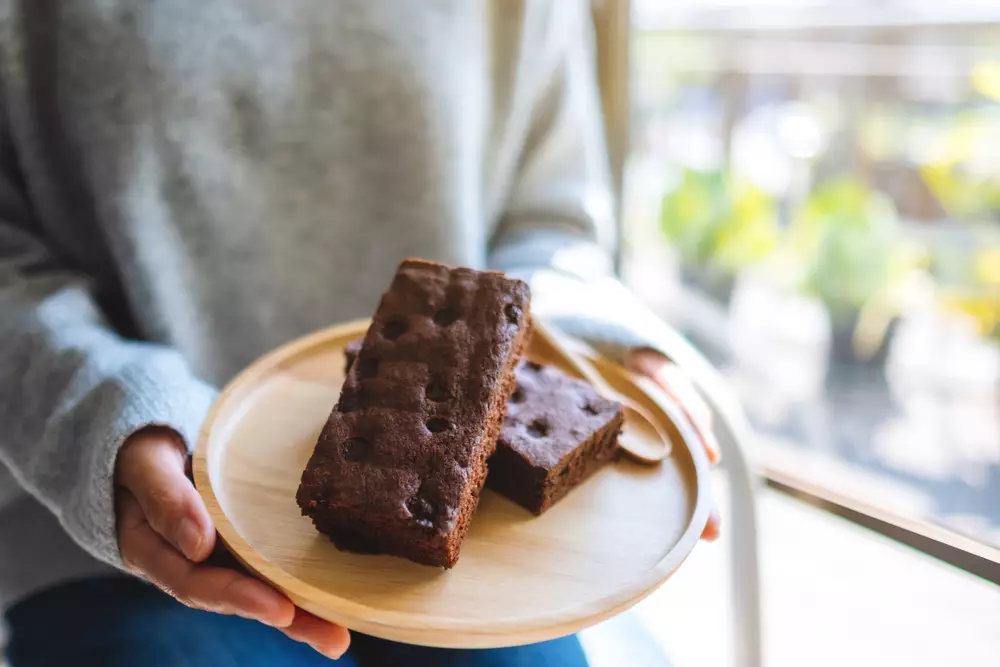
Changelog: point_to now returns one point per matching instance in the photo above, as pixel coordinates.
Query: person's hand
(166, 535)
(676, 383)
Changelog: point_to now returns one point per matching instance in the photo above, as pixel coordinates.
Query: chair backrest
(611, 33)
(611, 30)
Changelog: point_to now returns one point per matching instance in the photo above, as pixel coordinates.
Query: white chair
(734, 435)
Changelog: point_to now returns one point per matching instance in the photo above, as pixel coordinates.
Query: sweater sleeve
(71, 389)
(557, 230)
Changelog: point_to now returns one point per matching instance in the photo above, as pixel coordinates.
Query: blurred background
(811, 194)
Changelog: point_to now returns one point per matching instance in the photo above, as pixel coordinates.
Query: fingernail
(262, 618)
(254, 602)
(713, 528)
(189, 538)
(332, 653)
(712, 446)
(252, 616)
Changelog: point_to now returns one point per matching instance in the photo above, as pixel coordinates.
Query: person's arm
(96, 427)
(557, 229)
(558, 213)
(71, 390)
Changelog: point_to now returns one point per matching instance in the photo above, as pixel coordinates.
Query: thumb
(151, 466)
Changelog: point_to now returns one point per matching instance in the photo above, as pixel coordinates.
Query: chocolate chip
(539, 428)
(355, 449)
(533, 366)
(319, 499)
(513, 313)
(421, 510)
(395, 328)
(445, 316)
(590, 409)
(518, 395)
(349, 401)
(436, 391)
(437, 424)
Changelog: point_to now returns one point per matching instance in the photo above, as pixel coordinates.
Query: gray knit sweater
(185, 184)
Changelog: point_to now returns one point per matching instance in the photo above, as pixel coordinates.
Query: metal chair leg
(743, 556)
(734, 435)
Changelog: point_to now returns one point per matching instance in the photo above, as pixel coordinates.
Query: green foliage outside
(849, 241)
(843, 245)
(718, 223)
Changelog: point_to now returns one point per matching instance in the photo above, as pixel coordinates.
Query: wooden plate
(520, 578)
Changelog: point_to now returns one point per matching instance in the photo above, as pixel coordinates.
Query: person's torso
(231, 174)
(235, 173)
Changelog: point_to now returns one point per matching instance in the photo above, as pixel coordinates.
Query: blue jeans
(122, 622)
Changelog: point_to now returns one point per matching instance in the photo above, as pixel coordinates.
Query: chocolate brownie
(400, 463)
(557, 433)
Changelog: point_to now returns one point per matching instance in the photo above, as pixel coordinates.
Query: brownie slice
(400, 462)
(558, 432)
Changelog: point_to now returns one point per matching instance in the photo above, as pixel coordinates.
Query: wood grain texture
(520, 578)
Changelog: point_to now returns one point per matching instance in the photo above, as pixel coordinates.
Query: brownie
(558, 432)
(400, 463)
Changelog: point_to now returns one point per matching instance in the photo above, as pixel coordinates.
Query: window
(813, 196)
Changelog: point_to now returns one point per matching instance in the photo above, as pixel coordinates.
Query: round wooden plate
(520, 578)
